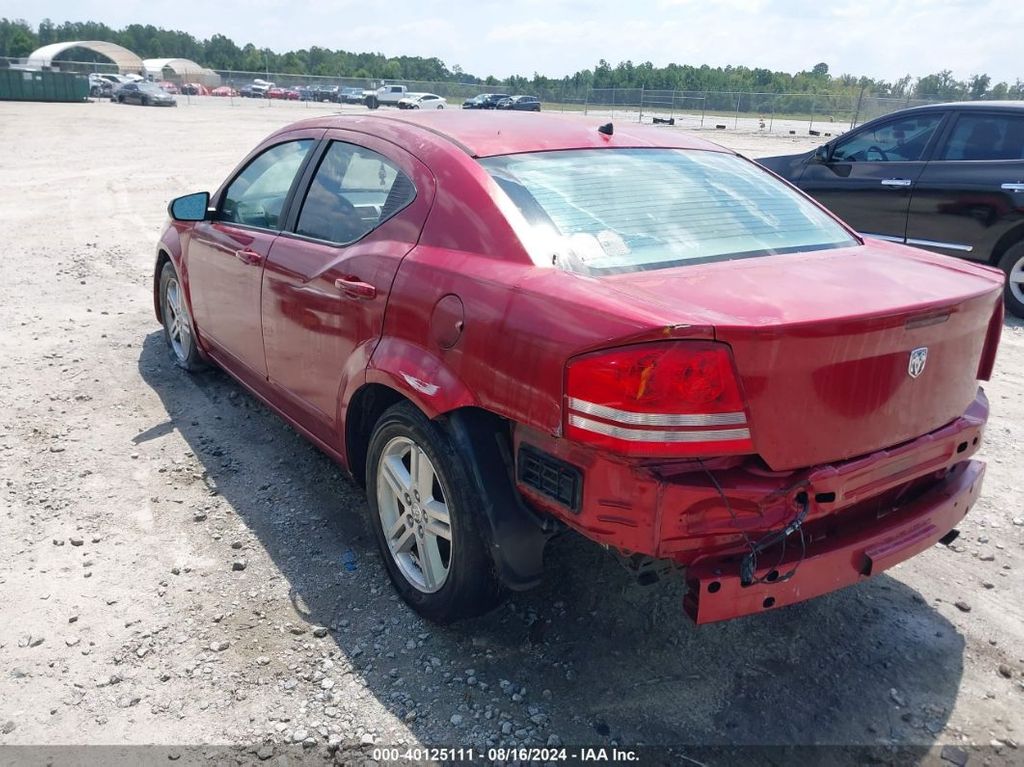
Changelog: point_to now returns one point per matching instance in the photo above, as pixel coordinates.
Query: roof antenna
(607, 129)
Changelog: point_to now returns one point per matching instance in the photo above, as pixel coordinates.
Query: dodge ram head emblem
(918, 358)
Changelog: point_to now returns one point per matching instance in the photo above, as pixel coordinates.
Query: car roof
(970, 105)
(487, 134)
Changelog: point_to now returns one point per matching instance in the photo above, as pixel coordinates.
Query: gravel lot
(172, 558)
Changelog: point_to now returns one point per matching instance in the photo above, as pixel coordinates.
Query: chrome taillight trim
(655, 419)
(656, 435)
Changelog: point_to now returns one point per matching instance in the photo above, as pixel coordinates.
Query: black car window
(899, 140)
(256, 197)
(354, 191)
(986, 136)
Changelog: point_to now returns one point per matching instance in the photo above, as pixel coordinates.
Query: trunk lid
(824, 342)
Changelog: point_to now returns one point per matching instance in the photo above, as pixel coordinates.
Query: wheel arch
(162, 257)
(516, 535)
(1013, 237)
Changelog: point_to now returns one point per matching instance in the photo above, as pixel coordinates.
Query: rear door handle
(250, 257)
(898, 182)
(355, 288)
(1013, 187)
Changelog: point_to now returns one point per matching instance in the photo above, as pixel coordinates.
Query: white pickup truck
(385, 94)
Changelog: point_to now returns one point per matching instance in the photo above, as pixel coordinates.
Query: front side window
(902, 140)
(600, 211)
(257, 195)
(986, 137)
(354, 191)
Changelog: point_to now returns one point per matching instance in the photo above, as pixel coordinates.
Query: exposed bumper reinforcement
(853, 554)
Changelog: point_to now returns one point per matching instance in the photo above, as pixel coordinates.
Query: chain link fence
(818, 114)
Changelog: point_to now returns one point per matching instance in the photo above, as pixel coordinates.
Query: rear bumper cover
(715, 591)
(864, 514)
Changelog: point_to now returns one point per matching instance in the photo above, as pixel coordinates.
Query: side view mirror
(823, 153)
(191, 207)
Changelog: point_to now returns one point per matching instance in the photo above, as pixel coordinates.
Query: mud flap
(517, 535)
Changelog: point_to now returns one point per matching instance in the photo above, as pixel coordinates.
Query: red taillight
(678, 398)
(988, 355)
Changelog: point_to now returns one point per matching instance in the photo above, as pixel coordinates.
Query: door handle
(1013, 187)
(896, 182)
(353, 287)
(250, 257)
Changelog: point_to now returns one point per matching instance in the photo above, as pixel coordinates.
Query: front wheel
(178, 328)
(425, 516)
(1012, 263)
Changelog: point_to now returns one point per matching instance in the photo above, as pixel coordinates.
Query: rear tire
(179, 332)
(428, 528)
(1012, 264)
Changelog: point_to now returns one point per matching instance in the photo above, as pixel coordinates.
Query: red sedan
(506, 325)
(286, 94)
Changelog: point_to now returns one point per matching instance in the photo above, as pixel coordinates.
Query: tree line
(18, 39)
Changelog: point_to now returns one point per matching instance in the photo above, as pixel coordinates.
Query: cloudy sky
(878, 38)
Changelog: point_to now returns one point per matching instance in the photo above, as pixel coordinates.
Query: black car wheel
(426, 518)
(1012, 263)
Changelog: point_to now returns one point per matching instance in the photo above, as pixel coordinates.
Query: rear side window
(600, 211)
(256, 197)
(986, 137)
(902, 140)
(354, 191)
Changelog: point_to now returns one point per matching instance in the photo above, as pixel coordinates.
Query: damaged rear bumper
(850, 554)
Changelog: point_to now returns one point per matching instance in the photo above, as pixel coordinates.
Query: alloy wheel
(1016, 279)
(179, 329)
(414, 515)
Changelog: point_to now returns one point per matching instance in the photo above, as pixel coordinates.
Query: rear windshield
(601, 211)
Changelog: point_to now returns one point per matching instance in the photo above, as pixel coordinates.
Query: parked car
(422, 101)
(351, 95)
(306, 93)
(484, 101)
(168, 87)
(520, 103)
(145, 94)
(286, 94)
(946, 177)
(194, 89)
(104, 85)
(633, 334)
(384, 95)
(224, 90)
(100, 87)
(247, 92)
(260, 87)
(327, 93)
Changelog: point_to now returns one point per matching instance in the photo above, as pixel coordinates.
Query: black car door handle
(896, 182)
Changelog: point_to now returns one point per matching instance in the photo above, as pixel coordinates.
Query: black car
(331, 93)
(146, 94)
(352, 95)
(945, 177)
(484, 101)
(520, 103)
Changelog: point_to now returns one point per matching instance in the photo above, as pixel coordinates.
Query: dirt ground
(171, 556)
